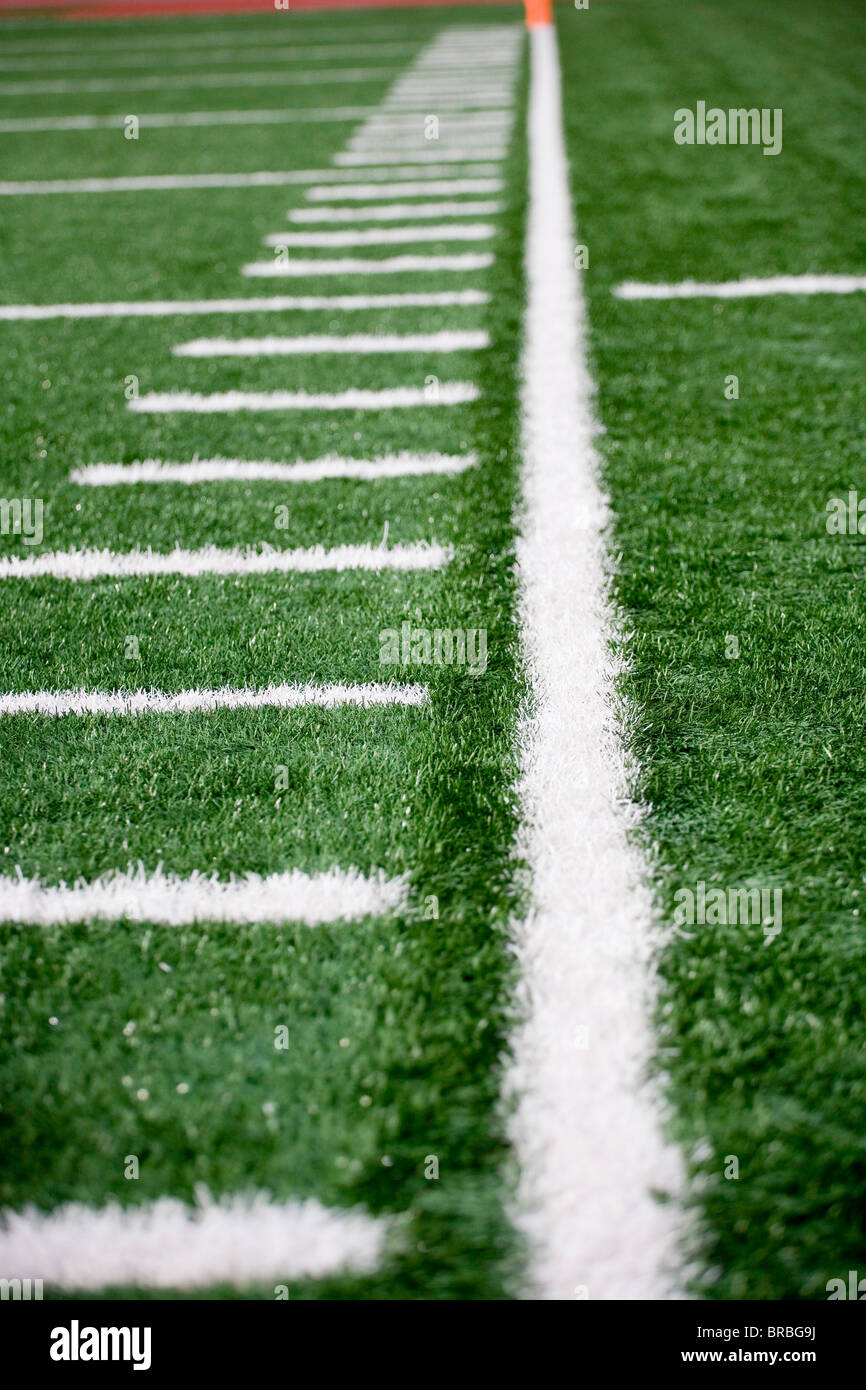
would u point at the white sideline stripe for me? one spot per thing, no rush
(387, 236)
(364, 191)
(391, 398)
(360, 158)
(159, 308)
(134, 83)
(353, 265)
(745, 289)
(58, 703)
(262, 178)
(394, 212)
(165, 1244)
(217, 470)
(448, 340)
(167, 119)
(586, 1129)
(333, 896)
(89, 564)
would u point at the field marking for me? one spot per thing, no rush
(385, 236)
(165, 1244)
(404, 465)
(413, 122)
(380, 156)
(448, 340)
(168, 119)
(390, 398)
(87, 564)
(265, 78)
(585, 1126)
(394, 212)
(163, 308)
(745, 289)
(354, 265)
(57, 704)
(261, 178)
(173, 901)
(215, 39)
(362, 192)
(219, 55)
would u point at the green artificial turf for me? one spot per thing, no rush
(752, 767)
(397, 1026)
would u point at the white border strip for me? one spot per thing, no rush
(358, 344)
(586, 1128)
(338, 895)
(745, 289)
(57, 703)
(218, 470)
(89, 564)
(270, 304)
(355, 265)
(385, 236)
(165, 1244)
(394, 212)
(392, 398)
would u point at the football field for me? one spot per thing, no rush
(431, 714)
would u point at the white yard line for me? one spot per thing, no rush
(217, 470)
(128, 59)
(379, 155)
(163, 81)
(385, 236)
(390, 398)
(167, 119)
(261, 178)
(165, 308)
(353, 265)
(449, 340)
(55, 704)
(334, 896)
(586, 1126)
(164, 1244)
(89, 564)
(394, 212)
(363, 192)
(745, 289)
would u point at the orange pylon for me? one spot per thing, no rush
(538, 12)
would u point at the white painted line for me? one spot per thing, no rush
(240, 1240)
(277, 43)
(391, 398)
(262, 178)
(353, 265)
(448, 340)
(414, 122)
(165, 308)
(334, 896)
(384, 236)
(403, 465)
(58, 703)
(745, 289)
(586, 1128)
(360, 158)
(168, 119)
(362, 192)
(295, 54)
(394, 212)
(163, 81)
(90, 564)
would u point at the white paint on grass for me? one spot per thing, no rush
(55, 704)
(364, 192)
(262, 178)
(384, 236)
(165, 308)
(217, 470)
(90, 564)
(394, 212)
(586, 1126)
(417, 156)
(391, 398)
(165, 120)
(746, 288)
(355, 265)
(358, 344)
(240, 1240)
(162, 81)
(338, 895)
